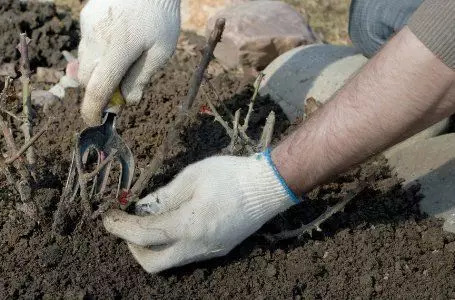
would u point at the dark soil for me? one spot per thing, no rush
(51, 30)
(379, 247)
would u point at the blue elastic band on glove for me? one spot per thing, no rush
(291, 194)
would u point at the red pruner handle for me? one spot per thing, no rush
(123, 198)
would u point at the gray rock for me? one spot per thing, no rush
(259, 31)
(7, 69)
(68, 82)
(431, 163)
(316, 71)
(43, 98)
(48, 75)
(432, 131)
(58, 90)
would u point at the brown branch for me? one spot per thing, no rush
(10, 143)
(26, 99)
(308, 228)
(173, 135)
(217, 116)
(235, 135)
(22, 186)
(29, 143)
(86, 206)
(251, 104)
(217, 95)
(8, 175)
(267, 132)
(10, 114)
(102, 164)
(196, 80)
(104, 207)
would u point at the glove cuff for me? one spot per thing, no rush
(280, 178)
(265, 192)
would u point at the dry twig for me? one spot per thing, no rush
(218, 98)
(26, 126)
(173, 135)
(267, 132)
(86, 206)
(102, 164)
(308, 228)
(23, 185)
(195, 83)
(29, 143)
(240, 141)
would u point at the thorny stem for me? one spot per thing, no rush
(29, 143)
(26, 99)
(218, 117)
(217, 95)
(86, 206)
(196, 80)
(308, 228)
(102, 164)
(10, 114)
(173, 135)
(251, 104)
(267, 132)
(235, 135)
(22, 186)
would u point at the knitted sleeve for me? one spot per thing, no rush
(434, 24)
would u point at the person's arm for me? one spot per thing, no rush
(402, 90)
(214, 204)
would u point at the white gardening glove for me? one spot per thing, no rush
(208, 209)
(123, 43)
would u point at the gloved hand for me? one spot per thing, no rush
(208, 209)
(123, 43)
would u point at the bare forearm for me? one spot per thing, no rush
(402, 90)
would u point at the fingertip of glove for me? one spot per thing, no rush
(114, 218)
(90, 116)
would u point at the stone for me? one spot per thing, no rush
(437, 129)
(316, 71)
(431, 163)
(58, 90)
(68, 82)
(8, 69)
(43, 98)
(196, 13)
(257, 32)
(48, 75)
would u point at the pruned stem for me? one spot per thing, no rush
(147, 173)
(218, 117)
(26, 98)
(217, 95)
(86, 206)
(29, 143)
(196, 80)
(11, 114)
(102, 164)
(308, 228)
(173, 135)
(267, 132)
(235, 135)
(251, 104)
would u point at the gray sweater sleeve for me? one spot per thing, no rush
(434, 25)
